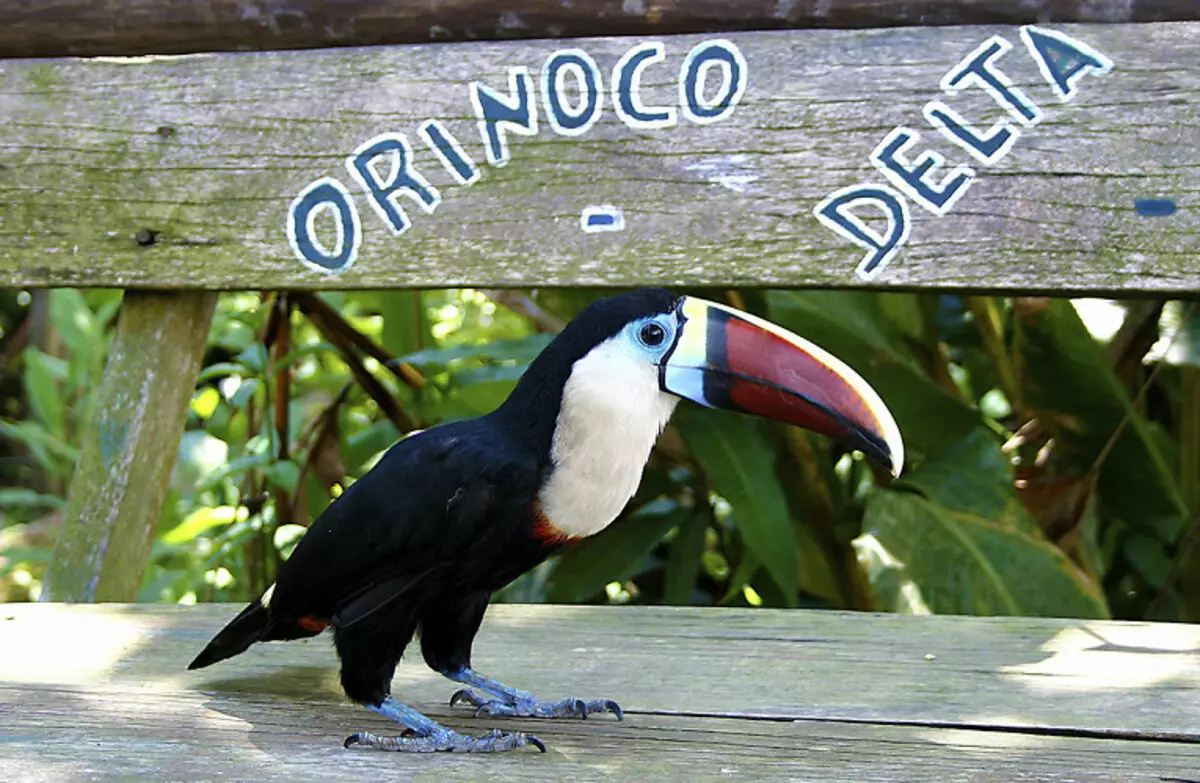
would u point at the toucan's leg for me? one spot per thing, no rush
(429, 736)
(512, 702)
(447, 631)
(369, 652)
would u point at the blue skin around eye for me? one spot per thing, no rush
(602, 220)
(632, 335)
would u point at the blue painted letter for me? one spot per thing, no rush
(988, 147)
(837, 212)
(627, 85)
(564, 119)
(499, 114)
(403, 179)
(889, 157)
(326, 193)
(978, 69)
(717, 53)
(454, 159)
(1062, 59)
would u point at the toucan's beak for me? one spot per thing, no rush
(724, 358)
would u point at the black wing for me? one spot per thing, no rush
(442, 504)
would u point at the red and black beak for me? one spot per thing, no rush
(724, 358)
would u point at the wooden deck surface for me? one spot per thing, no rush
(101, 691)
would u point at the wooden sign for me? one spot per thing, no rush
(1045, 157)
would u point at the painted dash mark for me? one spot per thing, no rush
(603, 217)
(1154, 207)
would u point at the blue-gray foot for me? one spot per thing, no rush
(447, 740)
(423, 735)
(510, 702)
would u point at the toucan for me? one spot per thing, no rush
(451, 514)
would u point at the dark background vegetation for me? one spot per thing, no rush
(1054, 460)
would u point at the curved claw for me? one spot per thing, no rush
(537, 743)
(353, 739)
(614, 708)
(464, 694)
(581, 708)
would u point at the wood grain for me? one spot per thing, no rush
(709, 694)
(59, 28)
(207, 152)
(128, 452)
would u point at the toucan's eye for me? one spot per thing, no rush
(652, 334)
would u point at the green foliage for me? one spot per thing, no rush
(737, 462)
(966, 564)
(1048, 473)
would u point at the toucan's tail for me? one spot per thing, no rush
(244, 630)
(254, 624)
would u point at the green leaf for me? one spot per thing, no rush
(370, 441)
(965, 564)
(973, 475)
(245, 391)
(284, 474)
(684, 560)
(49, 452)
(405, 325)
(82, 332)
(892, 589)
(746, 569)
(1078, 397)
(739, 464)
(43, 393)
(489, 373)
(199, 521)
(612, 555)
(198, 456)
(242, 464)
(475, 399)
(301, 352)
(254, 358)
(1147, 556)
(286, 537)
(22, 497)
(1181, 320)
(867, 331)
(73, 319)
(521, 351)
(220, 370)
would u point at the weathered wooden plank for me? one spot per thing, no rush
(129, 448)
(806, 695)
(58, 28)
(71, 734)
(1066, 676)
(202, 156)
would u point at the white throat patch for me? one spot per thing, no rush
(611, 413)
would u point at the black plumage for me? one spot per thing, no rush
(422, 540)
(447, 516)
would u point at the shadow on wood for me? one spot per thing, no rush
(709, 693)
